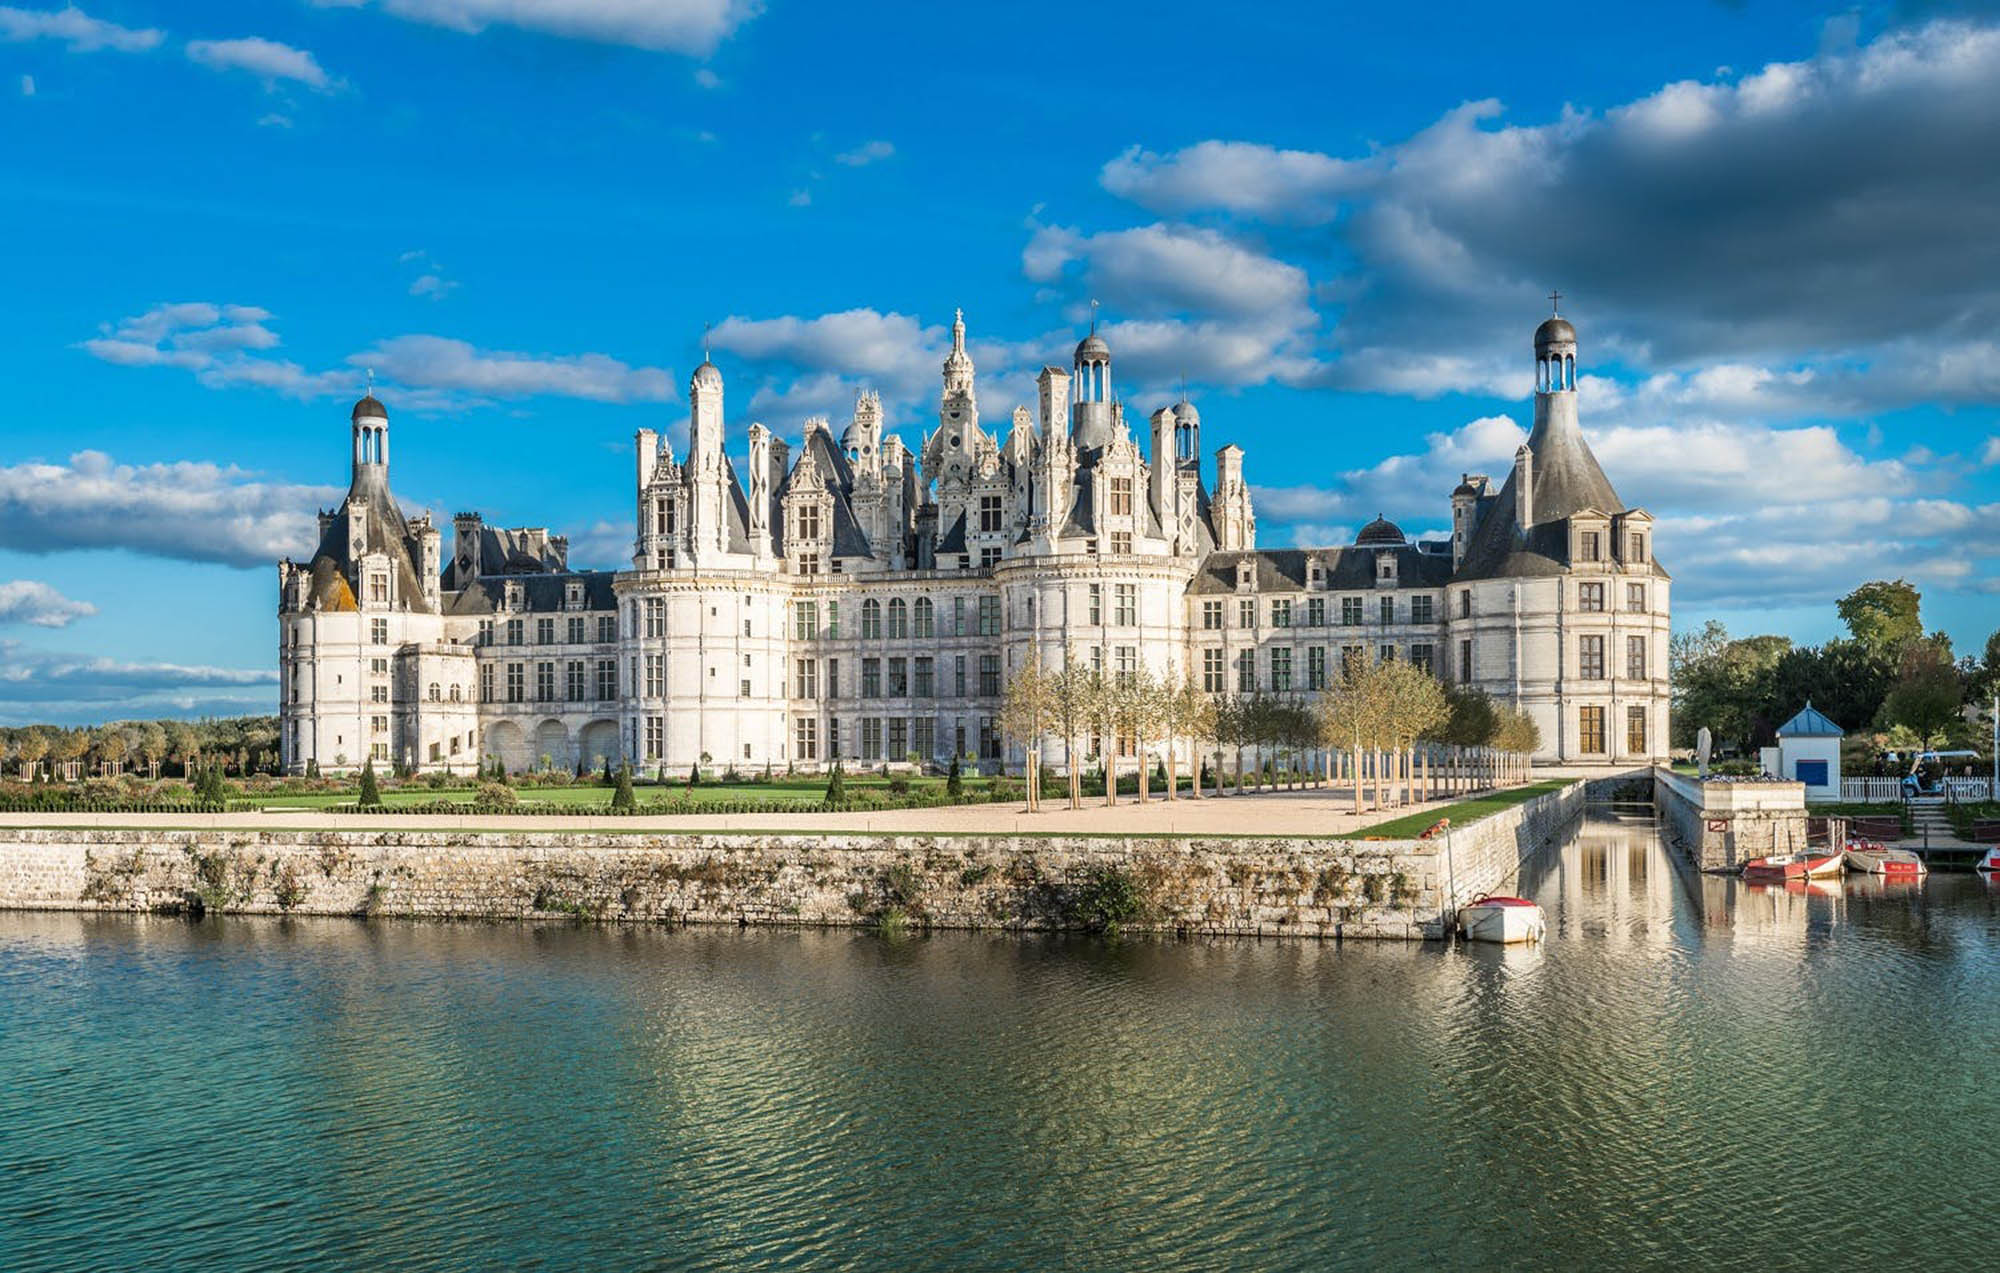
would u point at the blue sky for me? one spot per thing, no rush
(1772, 222)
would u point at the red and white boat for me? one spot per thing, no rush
(1870, 858)
(1991, 862)
(1816, 864)
(1505, 920)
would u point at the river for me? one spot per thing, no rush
(1690, 1073)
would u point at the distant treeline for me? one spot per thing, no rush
(238, 745)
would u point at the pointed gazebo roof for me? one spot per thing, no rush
(1810, 723)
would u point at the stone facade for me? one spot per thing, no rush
(1245, 887)
(1722, 825)
(865, 602)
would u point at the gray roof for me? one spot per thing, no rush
(1348, 569)
(540, 594)
(388, 533)
(1810, 723)
(1567, 480)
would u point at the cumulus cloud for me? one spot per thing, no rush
(693, 27)
(892, 349)
(81, 32)
(27, 86)
(865, 154)
(268, 60)
(227, 346)
(33, 602)
(1991, 455)
(188, 511)
(1242, 177)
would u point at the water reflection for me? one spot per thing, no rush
(268, 1094)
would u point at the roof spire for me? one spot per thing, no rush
(958, 331)
(1555, 302)
(706, 329)
(1093, 316)
(371, 383)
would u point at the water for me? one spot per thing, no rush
(1690, 1074)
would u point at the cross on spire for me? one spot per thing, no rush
(706, 328)
(1093, 316)
(371, 382)
(1555, 302)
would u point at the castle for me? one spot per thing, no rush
(865, 603)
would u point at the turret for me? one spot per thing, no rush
(370, 420)
(1093, 392)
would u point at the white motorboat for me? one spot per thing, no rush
(1505, 920)
(1877, 859)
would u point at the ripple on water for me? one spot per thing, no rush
(1688, 1073)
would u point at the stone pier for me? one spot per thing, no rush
(1721, 825)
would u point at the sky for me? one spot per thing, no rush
(1772, 224)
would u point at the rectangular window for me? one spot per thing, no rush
(576, 629)
(1351, 659)
(989, 738)
(1635, 657)
(1125, 610)
(1638, 549)
(1281, 613)
(1386, 653)
(516, 631)
(923, 736)
(1422, 657)
(545, 682)
(1211, 616)
(486, 682)
(871, 678)
(1121, 543)
(989, 514)
(1316, 667)
(925, 685)
(1121, 497)
(871, 738)
(958, 675)
(1096, 603)
(1635, 597)
(832, 688)
(743, 688)
(1635, 732)
(1590, 598)
(545, 632)
(1350, 611)
(607, 629)
(1281, 670)
(485, 632)
(378, 631)
(517, 682)
(805, 620)
(1590, 657)
(607, 680)
(989, 616)
(1587, 551)
(573, 681)
(656, 738)
(958, 616)
(805, 682)
(989, 557)
(1388, 609)
(1246, 671)
(899, 678)
(378, 588)
(871, 620)
(656, 616)
(1465, 604)
(989, 675)
(378, 693)
(1211, 672)
(1590, 730)
(1465, 662)
(808, 517)
(1246, 613)
(899, 738)
(1423, 610)
(656, 676)
(1316, 612)
(805, 738)
(1125, 664)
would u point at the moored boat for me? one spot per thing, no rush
(1991, 862)
(1876, 859)
(1502, 919)
(1812, 864)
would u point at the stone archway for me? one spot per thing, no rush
(552, 742)
(505, 742)
(599, 743)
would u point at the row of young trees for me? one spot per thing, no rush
(242, 745)
(1373, 711)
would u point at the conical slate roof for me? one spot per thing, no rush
(1567, 480)
(1810, 723)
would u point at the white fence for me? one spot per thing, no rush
(1884, 790)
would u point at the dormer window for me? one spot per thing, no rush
(1587, 546)
(1638, 549)
(1246, 576)
(573, 596)
(513, 596)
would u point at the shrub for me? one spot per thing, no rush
(1107, 897)
(495, 795)
(621, 799)
(1003, 790)
(371, 793)
(954, 780)
(899, 784)
(836, 786)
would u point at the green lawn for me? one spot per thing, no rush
(1412, 825)
(806, 790)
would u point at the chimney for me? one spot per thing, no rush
(1524, 488)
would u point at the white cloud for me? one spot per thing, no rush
(441, 363)
(74, 27)
(800, 199)
(38, 686)
(604, 545)
(893, 349)
(223, 345)
(865, 154)
(34, 602)
(1992, 453)
(693, 27)
(272, 119)
(27, 86)
(188, 511)
(432, 285)
(705, 78)
(268, 60)
(1242, 177)
(1164, 269)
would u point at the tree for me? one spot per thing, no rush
(371, 794)
(34, 746)
(1136, 715)
(112, 747)
(1101, 709)
(1185, 712)
(1413, 703)
(1927, 695)
(954, 781)
(152, 747)
(622, 798)
(1024, 717)
(1069, 713)
(836, 785)
(1883, 616)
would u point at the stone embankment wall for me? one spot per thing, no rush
(1275, 887)
(1722, 825)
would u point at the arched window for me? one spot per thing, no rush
(434, 691)
(871, 619)
(1569, 371)
(454, 693)
(926, 617)
(899, 620)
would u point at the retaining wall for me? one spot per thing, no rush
(1721, 825)
(1274, 887)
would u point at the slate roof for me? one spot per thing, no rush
(1348, 569)
(388, 533)
(540, 594)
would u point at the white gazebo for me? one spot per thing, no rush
(1809, 752)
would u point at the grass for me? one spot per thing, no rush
(1412, 825)
(803, 790)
